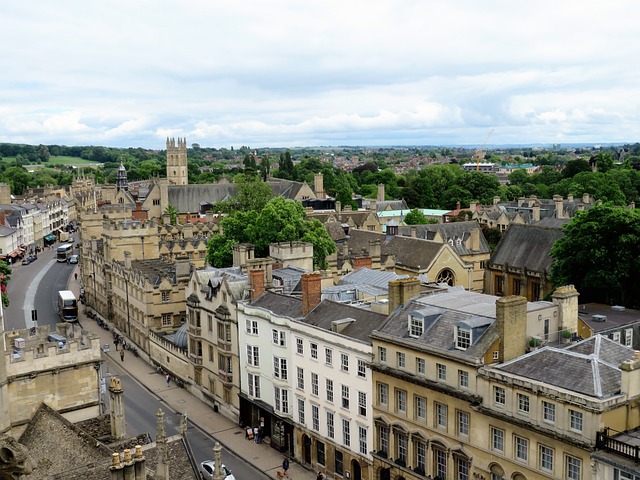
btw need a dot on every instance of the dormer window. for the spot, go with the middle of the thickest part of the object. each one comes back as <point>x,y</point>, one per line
<point>416,326</point>
<point>462,337</point>
<point>458,242</point>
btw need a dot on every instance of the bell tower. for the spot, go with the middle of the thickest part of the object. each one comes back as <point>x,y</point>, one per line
<point>177,173</point>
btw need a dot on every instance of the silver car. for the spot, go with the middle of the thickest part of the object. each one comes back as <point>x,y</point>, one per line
<point>209,466</point>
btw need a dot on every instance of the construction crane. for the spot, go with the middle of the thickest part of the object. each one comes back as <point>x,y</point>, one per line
<point>480,152</point>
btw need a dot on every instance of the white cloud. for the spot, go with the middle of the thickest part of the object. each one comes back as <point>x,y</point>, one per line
<point>295,73</point>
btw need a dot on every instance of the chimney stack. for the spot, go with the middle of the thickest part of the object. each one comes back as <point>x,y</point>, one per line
<point>140,464</point>
<point>162,469</point>
<point>381,193</point>
<point>116,467</point>
<point>566,298</point>
<point>630,383</point>
<point>129,468</point>
<point>559,206</point>
<point>535,212</point>
<point>318,185</point>
<point>362,262</point>
<point>475,239</point>
<point>183,268</point>
<point>127,261</point>
<point>311,291</point>
<point>414,231</point>
<point>511,322</point>
<point>586,198</point>
<point>256,283</point>
<point>401,291</point>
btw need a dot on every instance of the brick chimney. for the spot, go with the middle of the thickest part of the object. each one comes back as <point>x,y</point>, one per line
<point>401,291</point>
<point>362,262</point>
<point>256,283</point>
<point>311,291</point>
<point>631,376</point>
<point>566,298</point>
<point>511,322</point>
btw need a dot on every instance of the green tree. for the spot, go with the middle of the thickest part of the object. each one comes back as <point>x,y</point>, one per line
<point>600,254</point>
<point>415,217</point>
<point>172,212</point>
<point>279,221</point>
<point>251,194</point>
<point>574,167</point>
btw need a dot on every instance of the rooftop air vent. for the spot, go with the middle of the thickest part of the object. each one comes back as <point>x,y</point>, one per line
<point>599,318</point>
<point>618,308</point>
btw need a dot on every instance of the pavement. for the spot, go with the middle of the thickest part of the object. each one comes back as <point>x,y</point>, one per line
<point>222,429</point>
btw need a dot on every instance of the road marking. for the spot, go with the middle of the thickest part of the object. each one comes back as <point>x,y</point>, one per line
<point>31,293</point>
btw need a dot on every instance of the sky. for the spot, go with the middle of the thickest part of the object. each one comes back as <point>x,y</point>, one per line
<point>280,73</point>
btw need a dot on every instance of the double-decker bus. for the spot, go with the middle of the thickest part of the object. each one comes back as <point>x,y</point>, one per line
<point>67,306</point>
<point>64,252</point>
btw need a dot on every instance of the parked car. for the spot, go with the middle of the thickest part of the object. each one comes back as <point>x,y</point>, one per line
<point>73,259</point>
<point>209,466</point>
<point>71,240</point>
<point>26,260</point>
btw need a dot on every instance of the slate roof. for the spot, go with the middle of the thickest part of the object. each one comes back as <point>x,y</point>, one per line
<point>365,321</point>
<point>449,231</point>
<point>412,252</point>
<point>526,247</point>
<point>282,305</point>
<point>615,318</point>
<point>288,278</point>
<point>367,276</point>
<point>154,270</point>
<point>335,230</point>
<point>590,367</point>
<point>438,335</point>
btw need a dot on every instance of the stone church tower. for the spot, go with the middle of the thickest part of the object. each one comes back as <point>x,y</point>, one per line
<point>121,181</point>
<point>177,173</point>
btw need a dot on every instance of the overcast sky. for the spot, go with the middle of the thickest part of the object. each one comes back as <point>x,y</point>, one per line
<point>273,73</point>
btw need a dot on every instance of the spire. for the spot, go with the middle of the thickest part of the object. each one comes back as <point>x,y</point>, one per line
<point>162,471</point>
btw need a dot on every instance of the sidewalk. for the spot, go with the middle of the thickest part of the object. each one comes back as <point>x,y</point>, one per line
<point>228,433</point>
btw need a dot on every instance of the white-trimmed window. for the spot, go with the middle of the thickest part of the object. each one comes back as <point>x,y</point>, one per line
<point>615,336</point>
<point>421,408</point>
<point>315,417</point>
<point>382,354</point>
<point>499,395</point>
<point>362,369</point>
<point>300,378</point>
<point>546,458</point>
<point>628,337</point>
<point>462,338</point>
<point>621,475</point>
<point>462,468</point>
<point>574,468</point>
<point>344,362</point>
<point>463,423</point>
<point>442,371</point>
<point>346,432</point>
<point>166,296</point>
<point>314,384</point>
<point>167,319</point>
<point>383,438</point>
<point>281,396</point>
<point>401,401</point>
<point>254,385</point>
<point>549,412</point>
<point>279,337</point>
<point>441,415</point>
<point>328,356</point>
<point>299,346</point>
<point>251,327</point>
<point>329,385</point>
<point>314,350</point>
<point>497,439</point>
<point>416,326</point>
<point>463,379</point>
<point>421,455</point>
<point>301,411</point>
<point>521,446</point>
<point>575,420</point>
<point>421,366</point>
<point>523,403</point>
<point>280,368</point>
<point>253,355</point>
<point>362,403</point>
<point>362,440</point>
<point>345,396</point>
<point>402,360</point>
<point>330,425</point>
<point>383,394</point>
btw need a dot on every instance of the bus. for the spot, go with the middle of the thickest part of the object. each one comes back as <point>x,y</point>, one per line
<point>67,306</point>
<point>64,252</point>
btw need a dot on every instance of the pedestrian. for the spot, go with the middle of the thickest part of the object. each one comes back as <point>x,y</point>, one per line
<point>115,342</point>
<point>256,434</point>
<point>75,275</point>
<point>168,379</point>
<point>320,476</point>
<point>124,344</point>
<point>260,434</point>
<point>285,465</point>
<point>122,355</point>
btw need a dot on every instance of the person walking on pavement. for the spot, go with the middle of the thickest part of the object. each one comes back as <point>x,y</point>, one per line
<point>320,476</point>
<point>75,275</point>
<point>122,355</point>
<point>168,379</point>
<point>124,344</point>
<point>285,466</point>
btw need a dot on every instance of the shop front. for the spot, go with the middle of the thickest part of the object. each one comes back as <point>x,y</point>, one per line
<point>277,431</point>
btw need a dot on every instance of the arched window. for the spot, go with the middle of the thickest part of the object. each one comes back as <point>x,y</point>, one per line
<point>446,276</point>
